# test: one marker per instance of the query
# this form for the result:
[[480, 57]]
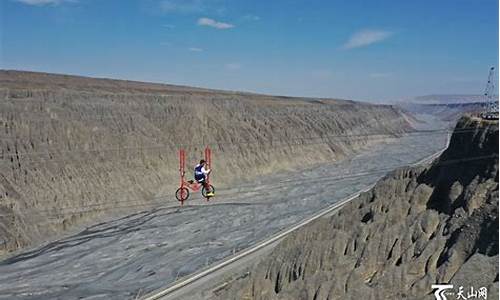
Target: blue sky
[[367, 50]]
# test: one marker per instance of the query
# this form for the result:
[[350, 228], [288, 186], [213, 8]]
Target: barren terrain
[[137, 254], [76, 150], [417, 227]]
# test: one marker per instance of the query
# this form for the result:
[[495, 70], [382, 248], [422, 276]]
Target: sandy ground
[[142, 252]]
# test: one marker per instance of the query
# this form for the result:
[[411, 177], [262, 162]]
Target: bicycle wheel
[[182, 194], [204, 190]]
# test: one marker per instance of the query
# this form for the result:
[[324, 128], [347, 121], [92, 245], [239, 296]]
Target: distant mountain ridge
[[446, 107], [449, 99]]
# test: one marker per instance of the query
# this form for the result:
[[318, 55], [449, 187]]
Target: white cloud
[[233, 66], [366, 37], [380, 75], [44, 2], [215, 24], [194, 49]]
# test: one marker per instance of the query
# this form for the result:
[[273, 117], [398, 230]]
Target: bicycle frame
[[192, 185]]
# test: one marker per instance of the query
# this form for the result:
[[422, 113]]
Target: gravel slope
[[141, 252], [76, 150], [417, 227]]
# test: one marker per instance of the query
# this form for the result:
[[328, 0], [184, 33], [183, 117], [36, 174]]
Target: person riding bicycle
[[200, 175]]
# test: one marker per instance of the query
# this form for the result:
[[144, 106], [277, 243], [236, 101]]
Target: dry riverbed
[[144, 251]]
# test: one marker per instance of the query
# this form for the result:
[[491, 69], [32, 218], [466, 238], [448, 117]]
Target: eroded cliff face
[[416, 227], [74, 150]]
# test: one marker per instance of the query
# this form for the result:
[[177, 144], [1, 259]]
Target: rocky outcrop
[[416, 227], [74, 149]]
